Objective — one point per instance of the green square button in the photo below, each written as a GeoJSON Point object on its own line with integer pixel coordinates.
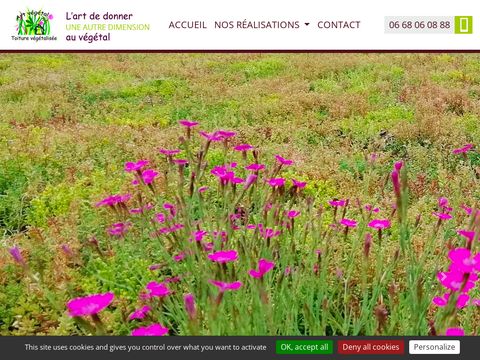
{"type": "Point", "coordinates": [463, 24]}
{"type": "Point", "coordinates": [304, 347]}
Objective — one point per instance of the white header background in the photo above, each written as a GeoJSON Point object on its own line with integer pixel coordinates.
{"type": "Point", "coordinates": [158, 14]}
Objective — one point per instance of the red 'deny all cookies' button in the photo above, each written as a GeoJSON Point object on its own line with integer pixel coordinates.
{"type": "Point", "coordinates": [371, 347]}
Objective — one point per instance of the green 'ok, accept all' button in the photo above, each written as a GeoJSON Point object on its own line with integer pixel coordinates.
{"type": "Point", "coordinates": [304, 347]}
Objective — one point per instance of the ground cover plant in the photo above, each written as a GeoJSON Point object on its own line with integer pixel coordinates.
{"type": "Point", "coordinates": [239, 194]}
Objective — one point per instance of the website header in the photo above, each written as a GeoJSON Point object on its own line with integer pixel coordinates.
{"type": "Point", "coordinates": [248, 25]}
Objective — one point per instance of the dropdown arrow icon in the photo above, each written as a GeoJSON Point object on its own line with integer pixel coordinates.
{"type": "Point", "coordinates": [307, 24]}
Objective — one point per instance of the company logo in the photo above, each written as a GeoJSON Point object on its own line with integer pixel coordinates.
{"type": "Point", "coordinates": [33, 25]}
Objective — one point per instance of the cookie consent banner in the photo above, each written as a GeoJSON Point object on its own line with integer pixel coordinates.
{"type": "Point", "coordinates": [260, 347]}
{"type": "Point", "coordinates": [247, 25]}
{"type": "Point", "coordinates": [239, 180]}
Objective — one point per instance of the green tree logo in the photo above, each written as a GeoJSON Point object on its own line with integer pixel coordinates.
{"type": "Point", "coordinates": [34, 23]}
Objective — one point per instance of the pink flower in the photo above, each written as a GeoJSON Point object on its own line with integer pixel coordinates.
{"type": "Point", "coordinates": [124, 198]}
{"type": "Point", "coordinates": [156, 289]}
{"type": "Point", "coordinates": [264, 266]}
{"type": "Point", "coordinates": [140, 313]}
{"type": "Point", "coordinates": [89, 305]}
{"type": "Point", "coordinates": [442, 202]}
{"type": "Point", "coordinates": [225, 175]}
{"type": "Point", "coordinates": [67, 250]}
{"type": "Point", "coordinates": [179, 257]}
{"type": "Point", "coordinates": [293, 214]}
{"type": "Point", "coordinates": [255, 167]}
{"type": "Point", "coordinates": [463, 261]}
{"type": "Point", "coordinates": [208, 246]}
{"type": "Point", "coordinates": [151, 330]}
{"type": "Point", "coordinates": [370, 208]}
{"type": "Point", "coordinates": [214, 137]}
{"type": "Point", "coordinates": [299, 184]}
{"type": "Point", "coordinates": [276, 182]}
{"type": "Point", "coordinates": [224, 286]}
{"type": "Point", "coordinates": [149, 175]}
{"type": "Point", "coordinates": [268, 233]}
{"type": "Point", "coordinates": [469, 235]}
{"type": "Point", "coordinates": [462, 301]}
{"type": "Point", "coordinates": [50, 17]}
{"type": "Point", "coordinates": [173, 279]}
{"type": "Point", "coordinates": [108, 201]}
{"type": "Point", "coordinates": [348, 223]}
{"type": "Point", "coordinates": [189, 302]}
{"type": "Point", "coordinates": [188, 123]}
{"type": "Point", "coordinates": [148, 207]}
{"type": "Point", "coordinates": [180, 161]}
{"type": "Point", "coordinates": [468, 210]}
{"type": "Point", "coordinates": [17, 255]}
{"type": "Point", "coordinates": [396, 182]}
{"type": "Point", "coordinates": [113, 200]}
{"type": "Point", "coordinates": [135, 166]}
{"type": "Point", "coordinates": [141, 210]}
{"type": "Point", "coordinates": [225, 134]}
{"type": "Point", "coordinates": [222, 235]}
{"type": "Point", "coordinates": [455, 332]}
{"type": "Point", "coordinates": [251, 178]}
{"type": "Point", "coordinates": [176, 227]}
{"type": "Point", "coordinates": [202, 189]}
{"type": "Point", "coordinates": [199, 235]}
{"type": "Point", "coordinates": [442, 216]}
{"type": "Point", "coordinates": [283, 161]}
{"type": "Point", "coordinates": [337, 203]}
{"type": "Point", "coordinates": [463, 149]}
{"type": "Point", "coordinates": [154, 267]}
{"type": "Point", "coordinates": [219, 171]}
{"type": "Point", "coordinates": [379, 224]}
{"type": "Point", "coordinates": [119, 229]}
{"type": "Point", "coordinates": [442, 301]}
{"type": "Point", "coordinates": [219, 135]}
{"type": "Point", "coordinates": [237, 180]}
{"type": "Point", "coordinates": [243, 147]}
{"type": "Point", "coordinates": [223, 256]}
{"type": "Point", "coordinates": [169, 152]}
{"type": "Point", "coordinates": [455, 280]}
{"type": "Point", "coordinates": [170, 208]}
{"type": "Point", "coordinates": [398, 166]}
{"type": "Point", "coordinates": [159, 218]}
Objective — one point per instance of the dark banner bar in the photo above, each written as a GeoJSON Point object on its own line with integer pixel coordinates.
{"type": "Point", "coordinates": [237, 347]}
